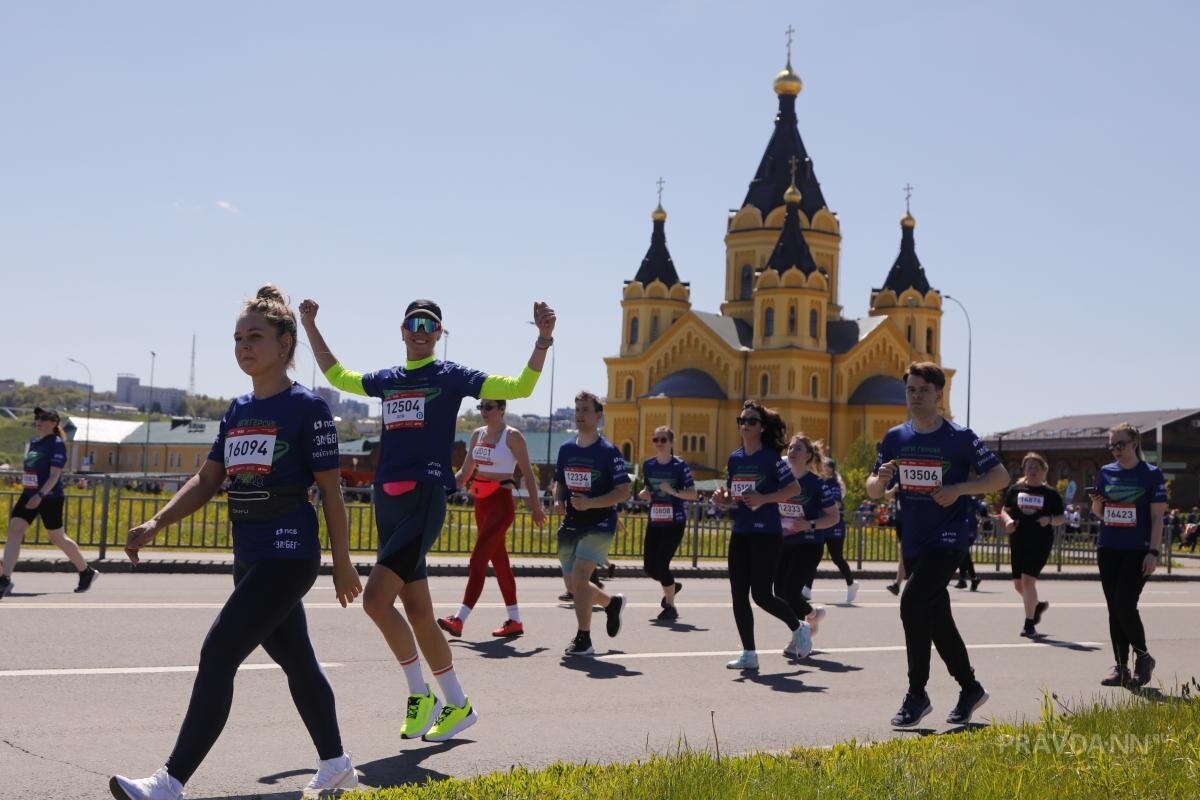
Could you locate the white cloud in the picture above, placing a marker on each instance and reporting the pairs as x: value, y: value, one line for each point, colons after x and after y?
x: 227, y: 207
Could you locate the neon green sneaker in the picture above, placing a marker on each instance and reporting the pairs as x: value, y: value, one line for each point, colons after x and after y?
x: 452, y: 721
x: 423, y: 709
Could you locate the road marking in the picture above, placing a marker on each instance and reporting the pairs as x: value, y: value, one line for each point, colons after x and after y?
x: 33, y: 673
x: 895, y: 648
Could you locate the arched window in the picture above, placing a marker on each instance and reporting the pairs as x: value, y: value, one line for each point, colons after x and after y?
x: 814, y: 385
x: 653, y: 327
x: 693, y: 444
x: 791, y: 320
x: 627, y: 451
x: 629, y: 388
x: 701, y: 444
x: 929, y: 340
x: 747, y: 281
x: 633, y: 330
x: 769, y: 322
x: 765, y: 383
x: 910, y: 339
x: 812, y: 323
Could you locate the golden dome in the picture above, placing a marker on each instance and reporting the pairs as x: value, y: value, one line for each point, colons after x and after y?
x: 788, y: 82
x: 792, y: 195
x: 908, y: 221
x: 660, y: 214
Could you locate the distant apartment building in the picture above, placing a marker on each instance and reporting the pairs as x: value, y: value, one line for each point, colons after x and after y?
x: 346, y: 409
x: 10, y: 384
x: 161, y: 398
x: 49, y: 382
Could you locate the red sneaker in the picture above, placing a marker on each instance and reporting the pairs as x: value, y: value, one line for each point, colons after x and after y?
x: 509, y: 628
x: 451, y: 625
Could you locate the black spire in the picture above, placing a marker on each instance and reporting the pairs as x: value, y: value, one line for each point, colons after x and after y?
x: 771, y: 180
x: 658, y: 264
x: 791, y: 250
x: 907, y: 272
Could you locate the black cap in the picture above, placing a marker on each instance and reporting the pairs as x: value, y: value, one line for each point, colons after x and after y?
x: 46, y: 412
x: 424, y: 308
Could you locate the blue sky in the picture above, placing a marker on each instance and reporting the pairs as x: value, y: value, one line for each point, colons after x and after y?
x: 162, y: 160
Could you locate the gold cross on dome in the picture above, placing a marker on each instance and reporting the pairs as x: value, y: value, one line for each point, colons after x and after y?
x: 793, y: 161
x: 907, y: 196
x: 660, y: 183
x: 790, y: 30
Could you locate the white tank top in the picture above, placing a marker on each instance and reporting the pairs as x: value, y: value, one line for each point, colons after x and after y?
x: 494, y: 459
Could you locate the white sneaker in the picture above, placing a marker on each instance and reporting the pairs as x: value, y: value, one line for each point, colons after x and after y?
x: 814, y: 619
x: 851, y: 592
x: 159, y: 786
x: 807, y: 592
x: 747, y: 660
x: 333, y: 776
x: 801, y: 644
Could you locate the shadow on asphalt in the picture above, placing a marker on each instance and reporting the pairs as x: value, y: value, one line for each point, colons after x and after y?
x: 405, y: 767
x: 1066, y: 645
x: 970, y: 726
x: 675, y: 626
x: 825, y: 665
x: 788, y: 682
x: 601, y: 670
x: 498, y: 648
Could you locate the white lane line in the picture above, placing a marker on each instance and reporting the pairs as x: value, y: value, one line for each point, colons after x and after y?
x: 897, y: 648
x: 8, y: 604
x: 34, y: 673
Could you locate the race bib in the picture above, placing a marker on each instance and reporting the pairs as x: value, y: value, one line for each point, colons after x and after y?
x: 250, y: 449
x: 578, y: 479
x: 1030, y: 503
x: 404, y: 410
x: 739, y: 487
x: 920, y: 475
x: 662, y: 512
x: 1120, y: 515
x: 483, y: 454
x: 29, y: 480
x: 791, y: 510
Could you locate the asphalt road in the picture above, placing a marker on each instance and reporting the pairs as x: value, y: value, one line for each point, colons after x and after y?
x: 97, y: 683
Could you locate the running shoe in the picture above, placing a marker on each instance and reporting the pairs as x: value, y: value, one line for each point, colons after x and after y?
x: 6, y: 587
x: 1038, y: 610
x: 423, y: 709
x: 969, y: 700
x: 1029, y: 631
x: 913, y: 709
x: 807, y: 592
x: 451, y: 625
x: 747, y: 660
x: 334, y: 775
x: 596, y: 578
x: 86, y: 578
x: 1143, y: 667
x: 452, y: 721
x: 962, y: 584
x: 678, y: 587
x: 801, y: 644
x: 613, y: 614
x: 159, y: 786
x: 814, y: 619
x: 566, y: 597
x: 612, y: 569
x: 668, y: 614
x: 581, y: 645
x: 851, y: 592
x: 511, y: 628
x: 975, y: 584
x: 1117, y: 676
x: 894, y: 588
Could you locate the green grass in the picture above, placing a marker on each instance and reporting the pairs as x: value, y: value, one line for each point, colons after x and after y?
x: 1132, y: 748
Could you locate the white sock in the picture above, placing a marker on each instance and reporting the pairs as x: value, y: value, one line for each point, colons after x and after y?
x: 452, y: 692
x: 513, y: 613
x: 412, y: 673
x: 336, y: 764
x: 463, y: 613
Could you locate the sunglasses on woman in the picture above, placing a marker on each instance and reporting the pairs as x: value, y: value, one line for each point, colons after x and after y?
x: 422, y: 325
x: 487, y: 406
x: 749, y: 422
x: 660, y: 440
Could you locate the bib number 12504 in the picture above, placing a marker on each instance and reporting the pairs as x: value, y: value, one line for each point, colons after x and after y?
x: 404, y: 410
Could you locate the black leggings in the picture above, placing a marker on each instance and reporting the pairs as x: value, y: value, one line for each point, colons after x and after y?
x: 834, y: 548
x: 1122, y: 579
x: 797, y: 567
x: 661, y: 543
x: 967, y: 569
x: 752, y: 559
x: 264, y: 609
x: 925, y: 613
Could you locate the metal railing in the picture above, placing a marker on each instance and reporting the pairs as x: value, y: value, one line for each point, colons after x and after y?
x: 100, y: 515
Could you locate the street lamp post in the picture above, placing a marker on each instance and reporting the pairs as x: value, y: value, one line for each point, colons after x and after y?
x: 445, y: 344
x: 968, y: 316
x: 149, y: 410
x: 86, y: 435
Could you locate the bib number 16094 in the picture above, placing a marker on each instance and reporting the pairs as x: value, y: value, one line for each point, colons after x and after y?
x: 250, y: 449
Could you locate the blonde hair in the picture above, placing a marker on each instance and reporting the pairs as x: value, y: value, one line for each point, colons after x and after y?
x: 1134, y: 435
x: 271, y: 304
x: 816, y: 454
x: 1032, y: 456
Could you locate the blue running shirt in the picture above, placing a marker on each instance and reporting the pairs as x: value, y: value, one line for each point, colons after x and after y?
x: 1128, y: 494
x: 763, y: 472
x: 44, y: 453
x: 594, y: 470
x: 803, y: 508
x: 665, y: 509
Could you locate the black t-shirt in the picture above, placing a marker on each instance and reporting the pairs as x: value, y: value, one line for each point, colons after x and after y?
x: 1026, y: 503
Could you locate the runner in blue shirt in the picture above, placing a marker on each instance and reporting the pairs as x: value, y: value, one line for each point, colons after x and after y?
x: 42, y: 495
x: 835, y: 537
x: 590, y: 481
x: 421, y: 400
x: 932, y: 460
x: 273, y: 444
x: 758, y: 481
x: 669, y: 484
x: 1130, y: 498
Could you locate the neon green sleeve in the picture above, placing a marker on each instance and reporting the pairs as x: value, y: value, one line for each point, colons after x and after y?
x: 346, y: 380
x: 501, y: 387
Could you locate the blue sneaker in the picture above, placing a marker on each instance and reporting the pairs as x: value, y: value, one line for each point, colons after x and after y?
x: 801, y: 644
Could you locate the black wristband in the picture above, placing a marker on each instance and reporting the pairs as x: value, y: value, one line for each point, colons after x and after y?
x: 1153, y: 552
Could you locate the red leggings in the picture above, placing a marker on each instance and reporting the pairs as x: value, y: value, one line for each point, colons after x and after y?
x: 493, y: 515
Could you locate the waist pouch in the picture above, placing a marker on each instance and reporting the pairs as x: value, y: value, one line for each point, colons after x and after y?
x: 263, y: 505
x: 486, y: 487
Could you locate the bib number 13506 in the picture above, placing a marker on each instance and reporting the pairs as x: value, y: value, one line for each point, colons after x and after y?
x: 920, y: 475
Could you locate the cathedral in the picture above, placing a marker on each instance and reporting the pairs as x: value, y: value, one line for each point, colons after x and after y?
x: 780, y: 336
